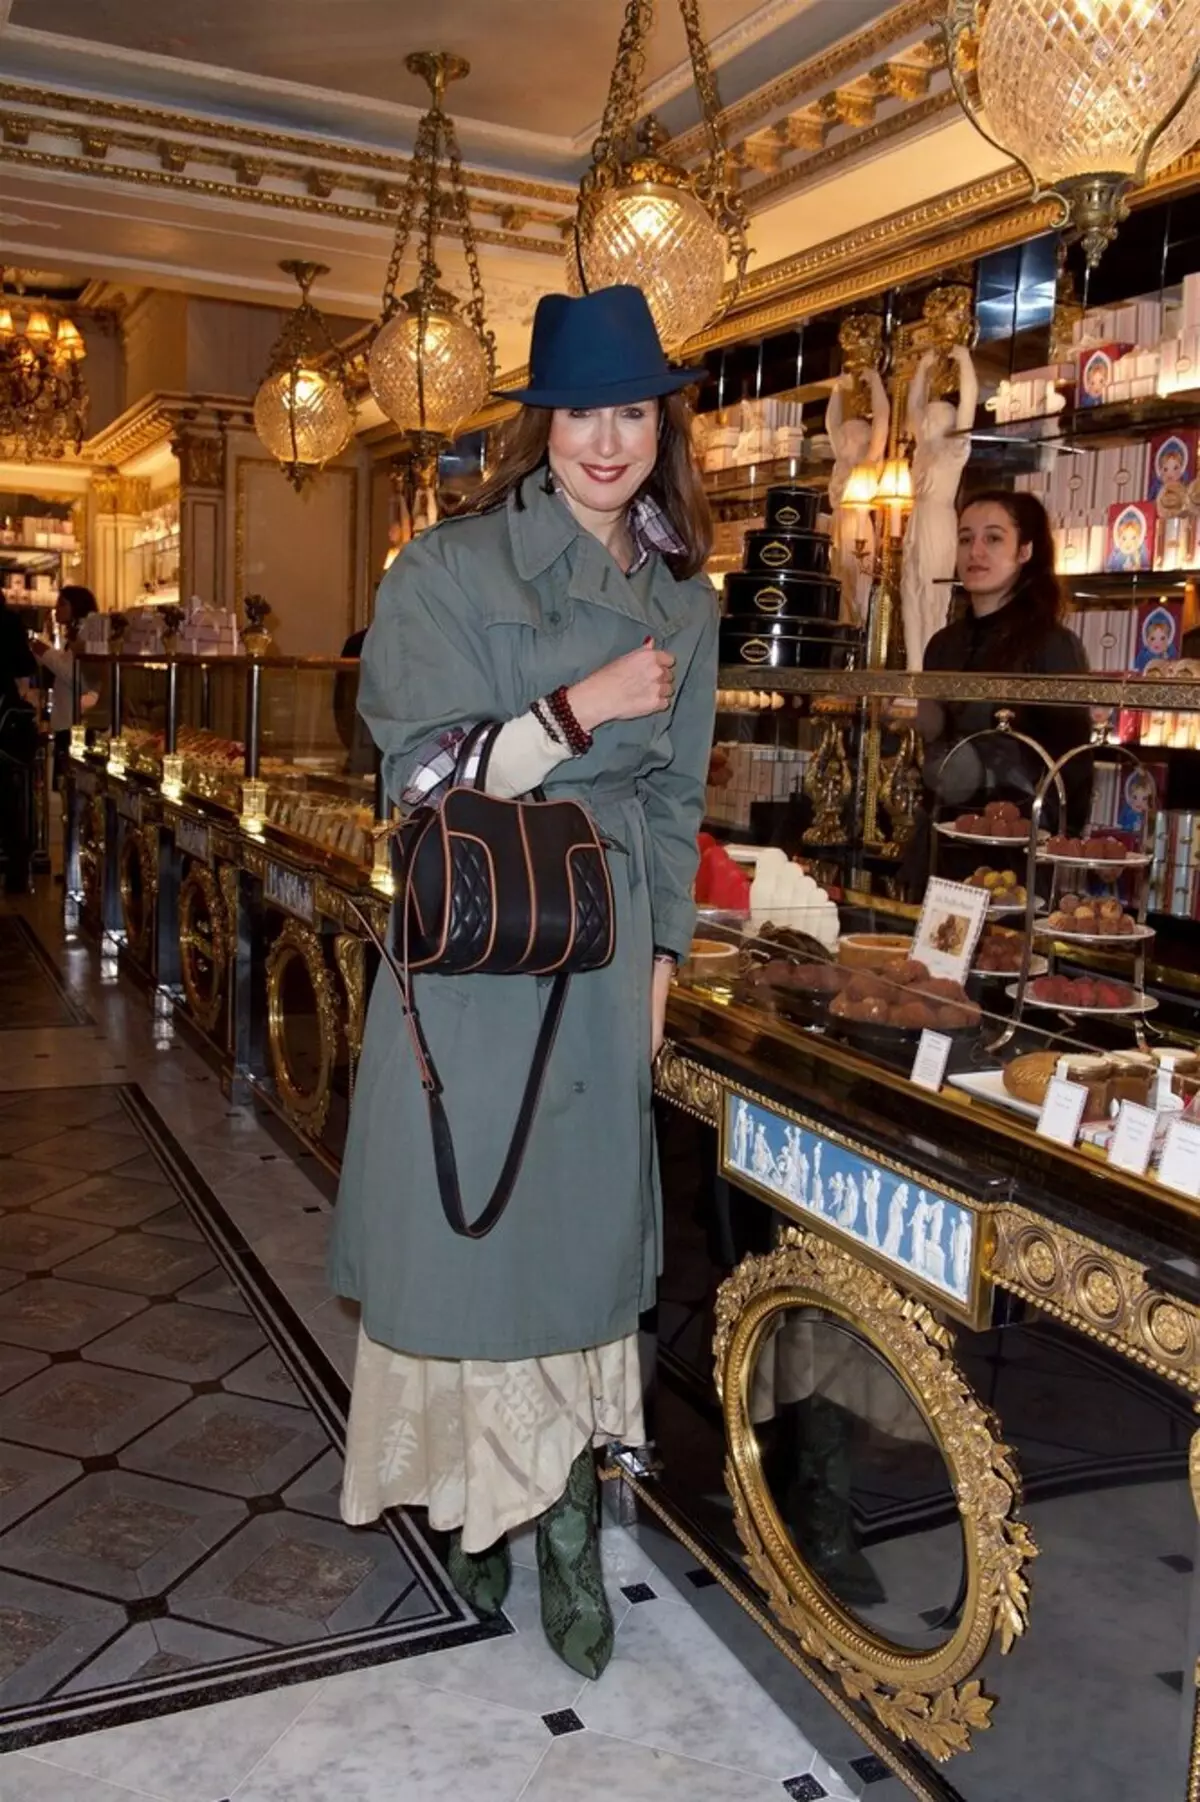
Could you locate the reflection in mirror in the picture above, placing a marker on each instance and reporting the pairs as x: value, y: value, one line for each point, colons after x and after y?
x: 857, y: 1478
x: 301, y: 1039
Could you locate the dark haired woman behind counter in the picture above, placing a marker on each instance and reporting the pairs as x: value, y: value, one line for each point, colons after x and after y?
x: 1011, y: 624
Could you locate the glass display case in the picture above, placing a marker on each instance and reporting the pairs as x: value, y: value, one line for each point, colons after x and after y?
x: 316, y: 757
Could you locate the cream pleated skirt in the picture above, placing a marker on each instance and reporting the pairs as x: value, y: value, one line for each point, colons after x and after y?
x: 484, y: 1447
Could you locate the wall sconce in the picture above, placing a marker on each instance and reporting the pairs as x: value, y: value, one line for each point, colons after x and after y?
x: 894, y: 493
x: 862, y: 485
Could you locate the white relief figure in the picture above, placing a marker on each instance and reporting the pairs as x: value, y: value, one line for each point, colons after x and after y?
x: 741, y: 1136
x: 818, y: 1187
x: 897, y: 1218
x: 762, y: 1163
x: 920, y: 1227
x: 854, y: 441
x: 931, y: 542
x: 871, y: 1190
x: 935, y: 1251
x: 787, y: 1161
x: 836, y: 1188
x: 802, y: 1168
x: 849, y: 1215
x: 960, y: 1252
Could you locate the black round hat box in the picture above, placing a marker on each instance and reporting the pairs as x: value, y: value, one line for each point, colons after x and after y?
x: 788, y: 643
x: 770, y: 552
x: 785, y: 594
x: 793, y: 509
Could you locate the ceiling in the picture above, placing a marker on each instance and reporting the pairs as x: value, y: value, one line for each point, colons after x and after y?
x: 309, y: 63
x: 192, y: 144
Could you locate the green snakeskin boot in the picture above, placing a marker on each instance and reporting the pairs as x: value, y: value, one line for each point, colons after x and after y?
x: 575, y: 1613
x: 481, y: 1578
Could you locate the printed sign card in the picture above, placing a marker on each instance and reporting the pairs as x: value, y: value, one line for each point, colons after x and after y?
x: 952, y: 917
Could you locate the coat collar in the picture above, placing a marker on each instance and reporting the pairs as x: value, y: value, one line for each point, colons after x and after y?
x: 543, y: 529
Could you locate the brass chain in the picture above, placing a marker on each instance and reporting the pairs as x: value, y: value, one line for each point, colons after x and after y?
x: 404, y: 217
x: 624, y: 89
x: 475, y: 308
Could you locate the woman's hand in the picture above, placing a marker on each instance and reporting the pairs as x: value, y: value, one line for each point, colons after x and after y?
x: 660, y: 989
x: 641, y: 682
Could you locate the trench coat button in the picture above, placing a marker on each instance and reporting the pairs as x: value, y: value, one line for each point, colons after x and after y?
x: 580, y: 1088
x: 554, y: 619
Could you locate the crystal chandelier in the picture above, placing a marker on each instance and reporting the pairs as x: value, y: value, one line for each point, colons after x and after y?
x: 43, y: 396
x: 1089, y: 96
x: 432, y: 360
x: 302, y: 410
x: 645, y: 220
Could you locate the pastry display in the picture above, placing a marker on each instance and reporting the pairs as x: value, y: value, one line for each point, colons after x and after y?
x: 1102, y: 848
x: 1000, y: 952
x: 707, y: 954
x: 999, y: 820
x: 1109, y: 1078
x: 338, y: 826
x: 1089, y: 916
x: 905, y: 996
x: 874, y: 950
x: 782, y: 890
x: 1092, y: 994
x: 1006, y: 891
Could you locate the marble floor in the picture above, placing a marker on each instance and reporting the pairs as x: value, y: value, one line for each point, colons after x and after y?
x: 677, y: 1715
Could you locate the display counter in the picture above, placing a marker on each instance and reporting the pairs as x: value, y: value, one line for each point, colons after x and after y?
x: 924, y: 1392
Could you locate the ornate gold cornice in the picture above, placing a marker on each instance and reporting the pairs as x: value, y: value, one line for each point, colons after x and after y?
x: 254, y: 137
x: 818, y: 72
x: 951, y: 685
x: 247, y: 186
x: 772, y: 188
x: 158, y: 418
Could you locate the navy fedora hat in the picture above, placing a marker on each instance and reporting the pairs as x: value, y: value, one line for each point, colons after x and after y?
x: 600, y: 350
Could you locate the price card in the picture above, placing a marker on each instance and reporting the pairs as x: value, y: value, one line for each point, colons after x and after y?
x: 1062, y: 1111
x: 1133, y: 1138
x: 952, y: 918
x: 1179, y: 1166
x: 929, y: 1065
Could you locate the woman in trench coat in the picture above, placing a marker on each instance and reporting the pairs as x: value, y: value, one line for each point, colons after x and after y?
x: 488, y: 1369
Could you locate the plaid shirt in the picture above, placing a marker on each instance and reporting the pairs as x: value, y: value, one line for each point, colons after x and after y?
x: 651, y: 530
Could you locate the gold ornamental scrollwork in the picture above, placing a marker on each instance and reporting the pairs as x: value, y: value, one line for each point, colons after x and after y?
x: 204, y: 941
x: 306, y: 1107
x: 229, y: 894
x: 927, y: 1697
x: 138, y: 878
x: 350, y: 955
x: 1099, y: 1293
x: 688, y: 1085
x: 91, y: 856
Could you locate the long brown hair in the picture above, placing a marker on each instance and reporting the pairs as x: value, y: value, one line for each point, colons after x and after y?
x: 1036, y: 604
x: 674, y: 482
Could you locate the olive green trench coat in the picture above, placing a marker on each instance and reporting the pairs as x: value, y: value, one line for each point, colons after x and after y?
x: 475, y: 620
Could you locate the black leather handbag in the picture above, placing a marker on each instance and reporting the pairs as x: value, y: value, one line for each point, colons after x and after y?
x: 495, y: 888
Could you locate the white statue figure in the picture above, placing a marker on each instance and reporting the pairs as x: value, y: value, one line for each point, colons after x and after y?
x: 897, y: 1216
x: 920, y: 1226
x: 871, y: 1190
x: 741, y: 1136
x: 931, y: 542
x: 849, y: 1214
x: 802, y: 1182
x: 960, y: 1253
x: 818, y: 1187
x: 836, y: 1190
x: 854, y: 441
x: 935, y: 1251
x: 788, y: 1160
x: 763, y: 1162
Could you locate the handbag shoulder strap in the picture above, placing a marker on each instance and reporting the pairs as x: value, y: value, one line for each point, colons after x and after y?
x: 445, y: 1160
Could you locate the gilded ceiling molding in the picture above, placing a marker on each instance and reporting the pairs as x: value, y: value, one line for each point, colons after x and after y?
x: 158, y: 418
x: 818, y: 73
x: 157, y: 121
x: 248, y: 188
x: 768, y: 192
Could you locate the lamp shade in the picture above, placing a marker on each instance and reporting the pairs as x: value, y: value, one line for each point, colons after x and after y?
x: 895, y: 485
x: 1075, y: 87
x: 656, y: 236
x: 862, y: 486
x: 302, y: 417
x: 431, y: 381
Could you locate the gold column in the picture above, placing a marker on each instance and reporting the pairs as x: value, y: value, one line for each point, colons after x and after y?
x: 203, y: 511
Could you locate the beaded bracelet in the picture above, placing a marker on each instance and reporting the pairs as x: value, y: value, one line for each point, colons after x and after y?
x: 549, y: 726
x: 578, y: 741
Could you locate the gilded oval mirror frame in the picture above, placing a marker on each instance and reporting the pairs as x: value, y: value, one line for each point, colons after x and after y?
x: 296, y: 950
x: 200, y: 899
x: 138, y: 883
x: 926, y: 1696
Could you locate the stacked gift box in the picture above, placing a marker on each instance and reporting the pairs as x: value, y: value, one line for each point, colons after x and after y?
x: 756, y: 773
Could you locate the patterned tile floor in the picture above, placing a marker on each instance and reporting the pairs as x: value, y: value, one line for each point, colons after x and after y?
x: 676, y: 1716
